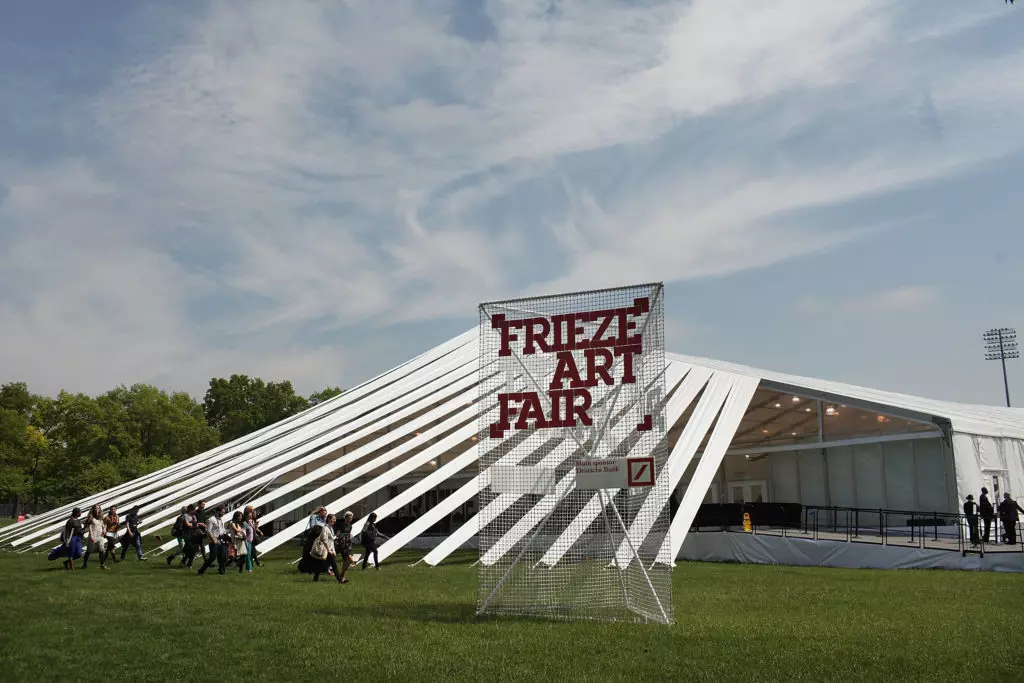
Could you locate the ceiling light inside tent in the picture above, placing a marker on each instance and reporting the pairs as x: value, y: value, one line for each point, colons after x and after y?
x: 792, y: 433
x: 882, y: 418
x: 472, y: 438
x: 433, y: 463
x: 778, y: 405
x: 807, y: 410
x: 764, y: 431
x: 796, y: 399
x: 830, y: 411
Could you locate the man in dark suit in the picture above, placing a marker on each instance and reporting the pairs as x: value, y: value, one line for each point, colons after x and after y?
x: 987, y: 512
x: 1008, y: 515
x: 971, y: 511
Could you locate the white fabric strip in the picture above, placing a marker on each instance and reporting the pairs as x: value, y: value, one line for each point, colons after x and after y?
x: 692, y: 384
x: 205, y: 485
x: 701, y: 420
x: 467, y: 492
x: 725, y: 429
x: 261, y: 437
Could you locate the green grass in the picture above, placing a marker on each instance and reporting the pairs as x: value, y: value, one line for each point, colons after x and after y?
x: 146, y: 621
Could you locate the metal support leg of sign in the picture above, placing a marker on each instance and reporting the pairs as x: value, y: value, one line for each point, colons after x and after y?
x: 636, y: 556
x: 611, y: 542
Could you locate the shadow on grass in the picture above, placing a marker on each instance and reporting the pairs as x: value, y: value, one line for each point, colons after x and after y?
x: 438, y: 613
x: 446, y: 613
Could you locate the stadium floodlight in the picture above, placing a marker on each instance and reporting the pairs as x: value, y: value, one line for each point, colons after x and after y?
x: 1001, y: 344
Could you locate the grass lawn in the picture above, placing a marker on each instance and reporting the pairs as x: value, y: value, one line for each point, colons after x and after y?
x: 148, y: 621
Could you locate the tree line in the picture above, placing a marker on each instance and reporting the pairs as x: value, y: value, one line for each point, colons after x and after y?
x: 57, y: 450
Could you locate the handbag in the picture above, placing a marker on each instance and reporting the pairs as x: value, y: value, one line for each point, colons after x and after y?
x: 319, y: 550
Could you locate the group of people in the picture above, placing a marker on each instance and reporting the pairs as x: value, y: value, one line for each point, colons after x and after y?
x: 329, y: 538
x: 221, y: 541
x: 99, y: 535
x: 1008, y: 512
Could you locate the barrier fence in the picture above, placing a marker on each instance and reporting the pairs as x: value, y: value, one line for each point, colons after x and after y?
x: 904, y: 528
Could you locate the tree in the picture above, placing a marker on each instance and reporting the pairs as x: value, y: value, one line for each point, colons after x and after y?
x: 241, y: 405
x: 319, y: 397
x: 15, y: 445
x: 56, y: 450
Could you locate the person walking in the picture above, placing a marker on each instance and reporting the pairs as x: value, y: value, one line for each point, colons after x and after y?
x: 132, y: 535
x: 369, y: 538
x: 218, y: 541
x: 313, y: 527
x: 343, y: 543
x: 236, y: 530
x: 971, y: 512
x: 323, y: 554
x: 189, y: 537
x: 250, y: 535
x: 200, y: 516
x: 179, y: 532
x: 1009, y: 511
x: 97, y: 541
x: 257, y: 536
x: 110, y: 524
x: 987, y: 512
x: 70, y: 541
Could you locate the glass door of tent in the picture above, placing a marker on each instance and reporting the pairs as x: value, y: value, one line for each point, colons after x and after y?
x: 747, y: 491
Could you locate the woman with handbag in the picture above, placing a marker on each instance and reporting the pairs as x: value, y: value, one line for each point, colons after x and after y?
x: 323, y: 554
x: 97, y: 541
x: 110, y: 523
x: 238, y: 544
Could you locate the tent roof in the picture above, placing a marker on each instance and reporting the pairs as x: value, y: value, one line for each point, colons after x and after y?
x: 966, y: 418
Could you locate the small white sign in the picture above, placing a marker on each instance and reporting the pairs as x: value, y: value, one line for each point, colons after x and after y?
x: 614, y: 473
x: 604, y: 473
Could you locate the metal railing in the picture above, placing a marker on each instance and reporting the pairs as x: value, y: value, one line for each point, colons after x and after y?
x: 903, y: 528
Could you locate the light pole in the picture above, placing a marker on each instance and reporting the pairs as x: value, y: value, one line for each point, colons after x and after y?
x: 1001, y: 344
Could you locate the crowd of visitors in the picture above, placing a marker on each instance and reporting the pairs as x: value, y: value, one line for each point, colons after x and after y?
x: 218, y: 540
x: 1008, y: 513
x: 329, y: 538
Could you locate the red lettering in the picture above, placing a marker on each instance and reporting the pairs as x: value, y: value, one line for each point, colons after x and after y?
x: 577, y: 336
x: 627, y: 353
x: 537, y: 339
x: 558, y: 418
x: 593, y: 369
x: 532, y: 410
x: 505, y: 412
x: 580, y: 411
x: 606, y: 318
x: 498, y: 322
x: 566, y: 369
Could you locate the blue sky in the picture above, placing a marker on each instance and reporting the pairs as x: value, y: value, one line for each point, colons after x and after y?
x: 317, y: 191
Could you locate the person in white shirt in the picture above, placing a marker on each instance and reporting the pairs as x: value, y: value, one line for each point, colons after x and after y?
x: 218, y: 540
x: 94, y: 529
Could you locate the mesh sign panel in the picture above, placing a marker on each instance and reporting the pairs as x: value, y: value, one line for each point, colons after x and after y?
x: 572, y: 444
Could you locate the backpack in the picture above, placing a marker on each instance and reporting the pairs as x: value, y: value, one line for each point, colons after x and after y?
x: 178, y: 530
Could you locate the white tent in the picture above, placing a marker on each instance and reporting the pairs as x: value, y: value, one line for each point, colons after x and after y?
x: 409, y: 436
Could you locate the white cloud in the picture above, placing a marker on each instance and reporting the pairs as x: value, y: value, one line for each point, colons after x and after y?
x: 356, y: 166
x: 895, y: 301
